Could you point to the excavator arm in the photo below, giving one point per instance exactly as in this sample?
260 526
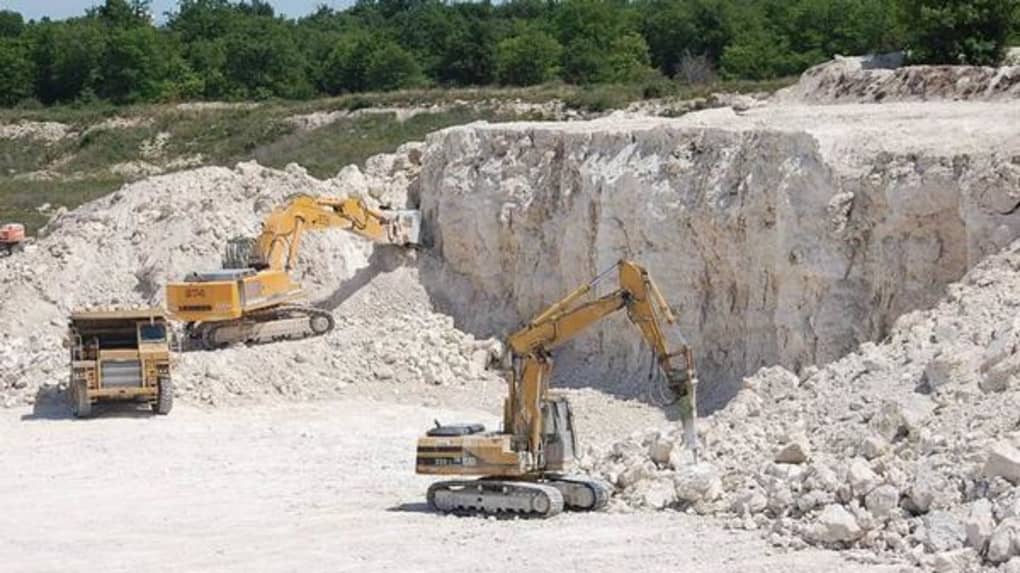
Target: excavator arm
530 348
277 246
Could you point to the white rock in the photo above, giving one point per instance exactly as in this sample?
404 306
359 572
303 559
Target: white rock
872 447
750 502
930 490
1003 461
956 561
861 478
836 525
660 449
950 370
697 483
902 418
979 524
1005 541
655 493
797 451
942 532
883 501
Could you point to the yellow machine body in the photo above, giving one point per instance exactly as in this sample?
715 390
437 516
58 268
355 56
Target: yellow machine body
118 355
537 439
254 298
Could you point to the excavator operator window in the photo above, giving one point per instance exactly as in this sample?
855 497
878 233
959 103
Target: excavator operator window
152 332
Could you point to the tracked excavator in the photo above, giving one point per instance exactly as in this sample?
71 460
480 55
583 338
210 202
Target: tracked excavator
522 467
254 299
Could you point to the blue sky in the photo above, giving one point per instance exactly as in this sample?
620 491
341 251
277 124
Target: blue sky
57 9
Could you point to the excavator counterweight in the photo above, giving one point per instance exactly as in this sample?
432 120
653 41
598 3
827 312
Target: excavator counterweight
254 298
521 466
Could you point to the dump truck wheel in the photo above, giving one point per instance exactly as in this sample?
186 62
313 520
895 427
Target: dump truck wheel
81 407
165 398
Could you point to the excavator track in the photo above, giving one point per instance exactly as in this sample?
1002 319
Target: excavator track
495 497
581 493
285 322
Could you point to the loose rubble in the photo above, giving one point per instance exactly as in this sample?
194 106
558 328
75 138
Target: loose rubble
884 78
910 468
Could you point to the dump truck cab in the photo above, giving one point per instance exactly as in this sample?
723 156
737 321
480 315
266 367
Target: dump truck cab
119 355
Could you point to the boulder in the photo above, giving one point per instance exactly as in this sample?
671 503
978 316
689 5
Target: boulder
883 501
836 525
979 524
942 532
872 447
749 502
797 451
930 490
697 483
901 418
654 493
1003 461
1005 541
956 561
861 478
659 449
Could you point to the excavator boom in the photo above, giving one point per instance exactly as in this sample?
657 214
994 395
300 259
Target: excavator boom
277 245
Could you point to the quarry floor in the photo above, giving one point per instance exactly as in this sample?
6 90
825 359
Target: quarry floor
325 486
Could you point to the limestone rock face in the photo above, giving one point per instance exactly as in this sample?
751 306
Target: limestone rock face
785 235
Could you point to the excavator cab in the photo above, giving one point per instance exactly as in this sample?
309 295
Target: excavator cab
559 441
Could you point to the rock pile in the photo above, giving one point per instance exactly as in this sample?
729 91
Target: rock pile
121 250
907 448
883 78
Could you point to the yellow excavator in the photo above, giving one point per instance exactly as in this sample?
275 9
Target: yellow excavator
522 466
253 298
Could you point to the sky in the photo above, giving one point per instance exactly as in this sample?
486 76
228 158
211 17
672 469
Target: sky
59 9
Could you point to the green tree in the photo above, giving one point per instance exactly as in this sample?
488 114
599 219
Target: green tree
674 29
602 42
469 56
347 64
391 67
16 72
957 31
122 13
68 59
262 61
134 65
626 59
529 58
11 24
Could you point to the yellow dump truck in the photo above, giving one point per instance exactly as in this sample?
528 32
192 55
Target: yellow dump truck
119 355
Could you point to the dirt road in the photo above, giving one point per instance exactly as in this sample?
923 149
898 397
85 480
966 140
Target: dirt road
303 487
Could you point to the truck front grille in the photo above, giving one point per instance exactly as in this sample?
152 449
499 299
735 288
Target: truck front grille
122 374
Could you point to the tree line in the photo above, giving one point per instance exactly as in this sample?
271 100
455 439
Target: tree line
226 50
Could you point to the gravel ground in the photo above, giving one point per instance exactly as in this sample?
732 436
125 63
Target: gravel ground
309 487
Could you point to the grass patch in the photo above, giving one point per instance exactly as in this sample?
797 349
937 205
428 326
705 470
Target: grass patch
25 155
325 150
100 149
20 200
223 136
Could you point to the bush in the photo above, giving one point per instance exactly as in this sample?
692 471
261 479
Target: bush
16 73
973 32
527 59
390 67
